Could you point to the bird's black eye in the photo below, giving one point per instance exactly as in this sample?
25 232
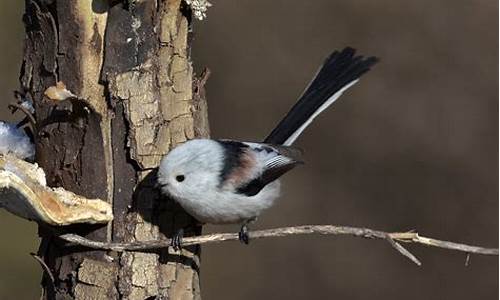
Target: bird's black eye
180 178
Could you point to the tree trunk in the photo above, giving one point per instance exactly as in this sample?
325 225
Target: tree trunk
129 66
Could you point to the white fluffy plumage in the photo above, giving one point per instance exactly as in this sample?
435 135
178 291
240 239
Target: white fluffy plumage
14 141
199 162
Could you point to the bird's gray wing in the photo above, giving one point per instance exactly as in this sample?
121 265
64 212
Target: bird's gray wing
277 161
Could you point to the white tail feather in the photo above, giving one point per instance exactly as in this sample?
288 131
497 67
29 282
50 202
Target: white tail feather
324 106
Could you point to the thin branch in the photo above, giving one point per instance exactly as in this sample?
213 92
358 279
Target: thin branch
45 268
392 238
403 250
27 113
204 77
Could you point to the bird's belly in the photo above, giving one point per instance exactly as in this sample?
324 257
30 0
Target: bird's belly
224 207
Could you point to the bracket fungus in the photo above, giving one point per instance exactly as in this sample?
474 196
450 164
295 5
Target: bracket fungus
24 192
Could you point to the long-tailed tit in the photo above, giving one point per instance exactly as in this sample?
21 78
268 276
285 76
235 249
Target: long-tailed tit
227 181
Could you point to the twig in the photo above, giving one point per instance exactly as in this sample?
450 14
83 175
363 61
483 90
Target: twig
45 268
204 76
403 250
29 115
392 238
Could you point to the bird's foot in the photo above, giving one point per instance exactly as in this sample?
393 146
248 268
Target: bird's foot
176 242
243 234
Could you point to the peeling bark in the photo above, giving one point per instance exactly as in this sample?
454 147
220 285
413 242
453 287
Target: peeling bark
131 71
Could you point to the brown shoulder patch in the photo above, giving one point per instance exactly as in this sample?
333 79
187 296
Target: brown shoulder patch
242 174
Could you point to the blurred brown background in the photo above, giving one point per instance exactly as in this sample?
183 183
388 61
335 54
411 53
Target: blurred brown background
412 146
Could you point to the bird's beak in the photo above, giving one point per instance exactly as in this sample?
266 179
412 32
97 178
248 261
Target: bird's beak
159 185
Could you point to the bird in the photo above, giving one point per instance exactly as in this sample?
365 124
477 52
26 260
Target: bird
222 181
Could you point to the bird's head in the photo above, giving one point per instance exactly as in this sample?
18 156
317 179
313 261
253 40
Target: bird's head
191 169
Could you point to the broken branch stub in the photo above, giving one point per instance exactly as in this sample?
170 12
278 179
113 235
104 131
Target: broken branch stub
23 192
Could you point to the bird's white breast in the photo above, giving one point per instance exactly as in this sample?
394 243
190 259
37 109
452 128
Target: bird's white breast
223 206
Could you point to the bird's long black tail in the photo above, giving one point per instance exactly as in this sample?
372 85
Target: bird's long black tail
340 71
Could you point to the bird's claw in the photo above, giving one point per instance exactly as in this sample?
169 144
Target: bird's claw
176 242
243 235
